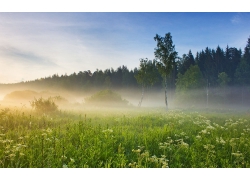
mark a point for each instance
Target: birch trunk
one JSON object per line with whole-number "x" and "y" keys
{"x": 142, "y": 94}
{"x": 166, "y": 98}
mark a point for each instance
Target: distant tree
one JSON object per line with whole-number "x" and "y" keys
{"x": 247, "y": 51}
{"x": 242, "y": 73}
{"x": 220, "y": 59}
{"x": 185, "y": 62}
{"x": 147, "y": 75}
{"x": 165, "y": 54}
{"x": 107, "y": 82}
{"x": 42, "y": 105}
{"x": 233, "y": 58}
{"x": 192, "y": 79}
{"x": 223, "y": 79}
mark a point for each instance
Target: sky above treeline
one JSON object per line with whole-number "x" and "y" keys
{"x": 36, "y": 45}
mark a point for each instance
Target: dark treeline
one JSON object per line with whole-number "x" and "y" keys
{"x": 122, "y": 77}
{"x": 211, "y": 62}
{"x": 220, "y": 68}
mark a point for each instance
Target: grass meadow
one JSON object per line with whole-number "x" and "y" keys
{"x": 141, "y": 138}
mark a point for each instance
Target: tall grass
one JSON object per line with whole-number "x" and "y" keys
{"x": 145, "y": 139}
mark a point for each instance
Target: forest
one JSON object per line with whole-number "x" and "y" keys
{"x": 221, "y": 74}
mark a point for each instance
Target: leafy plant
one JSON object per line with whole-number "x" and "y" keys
{"x": 42, "y": 105}
{"x": 106, "y": 97}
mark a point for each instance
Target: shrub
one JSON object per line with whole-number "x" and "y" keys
{"x": 106, "y": 97}
{"x": 42, "y": 105}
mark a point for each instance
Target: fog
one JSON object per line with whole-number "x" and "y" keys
{"x": 236, "y": 98}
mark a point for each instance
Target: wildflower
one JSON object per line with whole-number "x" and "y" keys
{"x": 145, "y": 154}
{"x": 204, "y": 131}
{"x": 154, "y": 159}
{"x": 237, "y": 154}
{"x": 164, "y": 165}
{"x": 232, "y": 141}
{"x": 217, "y": 125}
{"x": 72, "y": 160}
{"x": 12, "y": 155}
{"x": 9, "y": 140}
{"x": 183, "y": 134}
{"x": 49, "y": 130}
{"x": 198, "y": 137}
{"x": 132, "y": 164}
{"x": 163, "y": 156}
{"x": 136, "y": 151}
{"x": 185, "y": 145}
{"x": 162, "y": 147}
{"x": 208, "y": 146}
{"x": 221, "y": 140}
{"x": 210, "y": 127}
{"x": 108, "y": 131}
{"x": 64, "y": 157}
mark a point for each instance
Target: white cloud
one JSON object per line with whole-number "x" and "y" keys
{"x": 236, "y": 19}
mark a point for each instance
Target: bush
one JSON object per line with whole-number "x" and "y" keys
{"x": 42, "y": 105}
{"x": 106, "y": 97}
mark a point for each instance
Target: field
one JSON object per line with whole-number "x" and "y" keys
{"x": 124, "y": 138}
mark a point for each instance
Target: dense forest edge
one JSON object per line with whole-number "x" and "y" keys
{"x": 211, "y": 77}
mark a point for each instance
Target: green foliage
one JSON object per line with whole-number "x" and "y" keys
{"x": 242, "y": 73}
{"x": 166, "y": 54}
{"x": 150, "y": 139}
{"x": 42, "y": 105}
{"x": 223, "y": 79}
{"x": 192, "y": 79}
{"x": 185, "y": 62}
{"x": 147, "y": 74}
{"x": 106, "y": 97}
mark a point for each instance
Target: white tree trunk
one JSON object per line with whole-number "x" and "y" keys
{"x": 166, "y": 98}
{"x": 142, "y": 94}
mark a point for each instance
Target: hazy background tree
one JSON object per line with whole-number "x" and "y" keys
{"x": 185, "y": 62}
{"x": 223, "y": 81}
{"x": 147, "y": 75}
{"x": 187, "y": 83}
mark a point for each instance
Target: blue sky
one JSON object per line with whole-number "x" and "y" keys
{"x": 35, "y": 45}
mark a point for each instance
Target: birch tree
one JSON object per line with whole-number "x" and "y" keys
{"x": 165, "y": 54}
{"x": 147, "y": 75}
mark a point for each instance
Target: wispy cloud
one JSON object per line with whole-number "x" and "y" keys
{"x": 26, "y": 57}
{"x": 236, "y": 19}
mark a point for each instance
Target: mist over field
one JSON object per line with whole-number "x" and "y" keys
{"x": 162, "y": 109}
{"x": 233, "y": 98}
